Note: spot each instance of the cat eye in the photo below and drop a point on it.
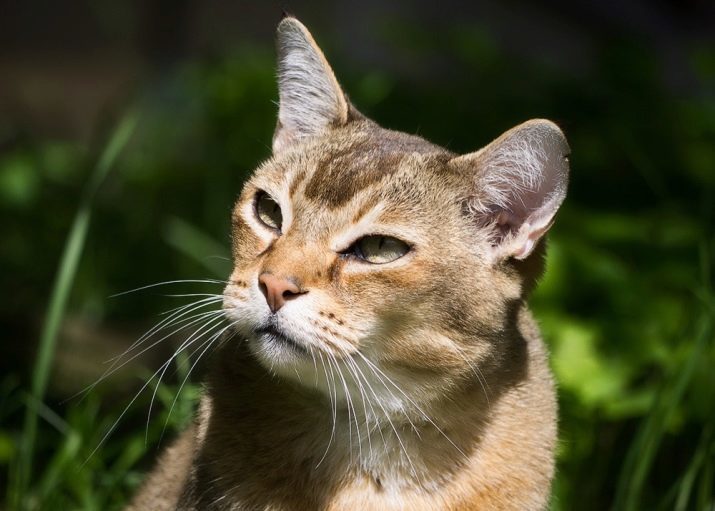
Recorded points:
(268, 211)
(378, 249)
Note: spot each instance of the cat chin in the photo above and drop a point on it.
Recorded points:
(274, 339)
(276, 350)
(289, 360)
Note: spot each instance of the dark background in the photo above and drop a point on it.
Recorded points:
(626, 304)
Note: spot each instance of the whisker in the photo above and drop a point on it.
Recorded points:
(332, 376)
(205, 329)
(356, 379)
(378, 400)
(113, 368)
(169, 320)
(350, 407)
(217, 298)
(479, 375)
(167, 282)
(409, 419)
(427, 417)
(355, 370)
(392, 426)
(315, 364)
(116, 422)
(332, 407)
(208, 343)
(133, 400)
(182, 295)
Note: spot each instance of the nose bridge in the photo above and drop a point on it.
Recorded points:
(292, 257)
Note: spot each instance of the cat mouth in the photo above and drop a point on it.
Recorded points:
(275, 336)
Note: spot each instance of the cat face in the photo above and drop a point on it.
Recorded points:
(366, 224)
(376, 255)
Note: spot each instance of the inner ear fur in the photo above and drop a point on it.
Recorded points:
(519, 182)
(310, 98)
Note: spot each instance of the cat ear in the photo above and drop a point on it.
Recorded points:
(311, 100)
(520, 181)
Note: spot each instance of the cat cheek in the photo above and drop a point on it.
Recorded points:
(245, 246)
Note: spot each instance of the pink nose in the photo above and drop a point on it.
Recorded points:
(277, 290)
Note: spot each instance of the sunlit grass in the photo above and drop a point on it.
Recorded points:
(646, 444)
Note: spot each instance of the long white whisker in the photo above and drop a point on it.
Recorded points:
(479, 375)
(183, 295)
(357, 369)
(350, 425)
(174, 318)
(350, 406)
(356, 379)
(203, 330)
(409, 419)
(217, 298)
(392, 426)
(136, 396)
(176, 314)
(126, 408)
(184, 281)
(311, 350)
(333, 409)
(114, 368)
(207, 345)
(427, 417)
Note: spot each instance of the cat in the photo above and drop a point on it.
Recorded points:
(384, 357)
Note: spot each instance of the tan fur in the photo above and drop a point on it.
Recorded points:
(419, 384)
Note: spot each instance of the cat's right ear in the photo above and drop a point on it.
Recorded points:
(311, 100)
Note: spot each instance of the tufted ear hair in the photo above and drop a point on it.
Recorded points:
(519, 183)
(311, 100)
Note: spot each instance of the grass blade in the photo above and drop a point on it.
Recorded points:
(195, 244)
(61, 288)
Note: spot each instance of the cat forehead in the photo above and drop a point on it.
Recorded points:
(333, 170)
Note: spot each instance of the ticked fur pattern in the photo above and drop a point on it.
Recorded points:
(420, 383)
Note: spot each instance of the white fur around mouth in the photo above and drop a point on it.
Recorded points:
(275, 337)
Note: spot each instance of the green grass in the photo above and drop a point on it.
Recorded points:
(642, 452)
(21, 479)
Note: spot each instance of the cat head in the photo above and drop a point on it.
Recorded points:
(378, 254)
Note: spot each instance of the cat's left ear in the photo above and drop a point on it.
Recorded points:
(519, 183)
(311, 100)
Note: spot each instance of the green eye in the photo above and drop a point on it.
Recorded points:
(268, 211)
(378, 249)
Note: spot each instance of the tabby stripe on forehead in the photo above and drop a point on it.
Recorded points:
(365, 208)
(298, 178)
(354, 172)
(373, 155)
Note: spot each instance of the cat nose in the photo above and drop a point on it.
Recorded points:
(277, 290)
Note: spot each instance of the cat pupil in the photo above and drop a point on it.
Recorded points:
(380, 249)
(268, 211)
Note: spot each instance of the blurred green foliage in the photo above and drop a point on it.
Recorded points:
(626, 305)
